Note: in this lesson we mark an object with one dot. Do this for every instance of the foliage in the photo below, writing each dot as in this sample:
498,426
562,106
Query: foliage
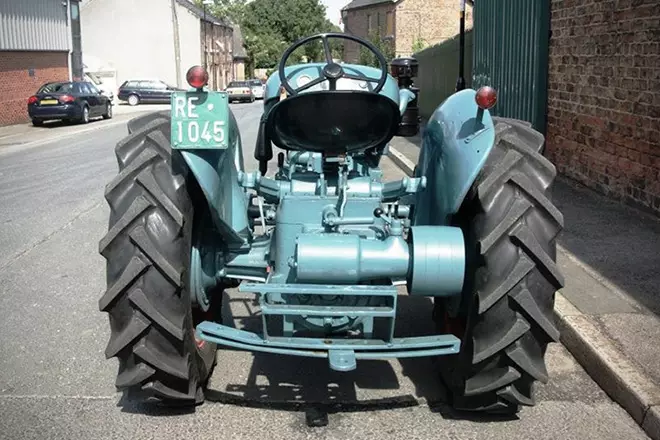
270,26
289,20
418,45
233,10
385,46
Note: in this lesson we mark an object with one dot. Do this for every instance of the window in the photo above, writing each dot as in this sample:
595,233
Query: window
65,87
84,89
389,23
369,23
93,88
379,24
238,84
159,85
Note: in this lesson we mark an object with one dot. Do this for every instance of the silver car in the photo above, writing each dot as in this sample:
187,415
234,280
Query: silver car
258,88
240,91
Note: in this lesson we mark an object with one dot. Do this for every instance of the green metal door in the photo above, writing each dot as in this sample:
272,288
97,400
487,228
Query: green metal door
511,40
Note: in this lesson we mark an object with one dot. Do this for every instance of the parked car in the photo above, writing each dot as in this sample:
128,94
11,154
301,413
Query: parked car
258,88
69,101
90,77
137,91
240,91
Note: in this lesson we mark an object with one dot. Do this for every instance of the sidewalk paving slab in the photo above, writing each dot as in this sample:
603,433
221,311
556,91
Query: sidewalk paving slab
608,310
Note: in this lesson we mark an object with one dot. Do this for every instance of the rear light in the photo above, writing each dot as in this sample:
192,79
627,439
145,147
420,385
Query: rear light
486,97
197,77
32,100
67,98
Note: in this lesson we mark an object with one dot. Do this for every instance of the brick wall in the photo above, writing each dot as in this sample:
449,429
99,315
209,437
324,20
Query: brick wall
16,85
604,96
357,23
432,20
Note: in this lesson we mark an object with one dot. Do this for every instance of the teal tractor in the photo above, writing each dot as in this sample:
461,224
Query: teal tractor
324,243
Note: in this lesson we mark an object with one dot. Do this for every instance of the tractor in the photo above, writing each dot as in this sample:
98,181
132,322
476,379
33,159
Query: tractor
324,243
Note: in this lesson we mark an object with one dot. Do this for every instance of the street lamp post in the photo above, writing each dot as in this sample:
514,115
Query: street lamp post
460,83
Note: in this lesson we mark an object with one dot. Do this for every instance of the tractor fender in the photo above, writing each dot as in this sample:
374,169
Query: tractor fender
216,172
456,142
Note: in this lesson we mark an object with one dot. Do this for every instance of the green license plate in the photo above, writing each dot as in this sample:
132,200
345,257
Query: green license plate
200,120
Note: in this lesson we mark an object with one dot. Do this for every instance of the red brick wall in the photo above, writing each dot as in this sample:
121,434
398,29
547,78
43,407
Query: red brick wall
16,85
604,96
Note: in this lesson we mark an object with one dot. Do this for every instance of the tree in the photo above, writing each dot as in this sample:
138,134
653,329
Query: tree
385,46
418,45
232,10
276,24
270,26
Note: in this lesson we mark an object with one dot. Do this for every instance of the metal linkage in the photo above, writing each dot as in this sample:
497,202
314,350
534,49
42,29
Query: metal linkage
342,354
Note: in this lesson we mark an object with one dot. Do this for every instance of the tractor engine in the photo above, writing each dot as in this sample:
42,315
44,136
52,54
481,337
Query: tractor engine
336,243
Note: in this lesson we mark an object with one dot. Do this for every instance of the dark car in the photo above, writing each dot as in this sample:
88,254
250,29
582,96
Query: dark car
69,101
136,91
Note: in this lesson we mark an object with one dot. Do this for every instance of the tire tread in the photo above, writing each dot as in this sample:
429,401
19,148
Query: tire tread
511,224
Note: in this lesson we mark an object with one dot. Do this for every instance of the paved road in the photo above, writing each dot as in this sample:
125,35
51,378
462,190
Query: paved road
56,384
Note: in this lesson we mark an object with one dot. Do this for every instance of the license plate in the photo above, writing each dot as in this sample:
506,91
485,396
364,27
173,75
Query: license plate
48,101
200,120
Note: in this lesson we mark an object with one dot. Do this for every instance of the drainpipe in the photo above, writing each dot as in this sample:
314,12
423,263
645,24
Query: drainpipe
70,38
177,45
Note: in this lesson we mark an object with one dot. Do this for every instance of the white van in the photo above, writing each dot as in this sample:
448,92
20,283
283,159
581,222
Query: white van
99,85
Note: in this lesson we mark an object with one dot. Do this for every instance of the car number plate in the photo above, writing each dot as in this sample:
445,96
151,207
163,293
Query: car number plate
48,101
200,120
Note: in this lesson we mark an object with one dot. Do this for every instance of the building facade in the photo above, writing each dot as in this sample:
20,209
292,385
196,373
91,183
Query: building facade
409,25
604,97
240,54
39,42
157,39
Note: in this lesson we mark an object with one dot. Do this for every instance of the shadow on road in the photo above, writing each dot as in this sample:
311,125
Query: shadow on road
618,242
61,123
300,384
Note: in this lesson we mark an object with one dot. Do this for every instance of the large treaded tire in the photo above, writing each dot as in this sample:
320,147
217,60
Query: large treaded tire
506,316
147,248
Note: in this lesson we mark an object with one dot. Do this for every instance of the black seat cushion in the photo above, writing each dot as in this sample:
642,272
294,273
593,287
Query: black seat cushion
333,122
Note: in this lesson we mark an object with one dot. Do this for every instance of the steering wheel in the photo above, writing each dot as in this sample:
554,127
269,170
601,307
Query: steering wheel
332,71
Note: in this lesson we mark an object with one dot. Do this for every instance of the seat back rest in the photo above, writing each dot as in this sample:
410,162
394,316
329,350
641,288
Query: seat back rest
333,122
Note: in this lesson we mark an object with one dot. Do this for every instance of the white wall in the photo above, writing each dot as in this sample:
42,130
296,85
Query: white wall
135,36
190,31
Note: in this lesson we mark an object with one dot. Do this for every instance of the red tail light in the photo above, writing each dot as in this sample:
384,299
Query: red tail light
66,98
197,77
486,97
32,99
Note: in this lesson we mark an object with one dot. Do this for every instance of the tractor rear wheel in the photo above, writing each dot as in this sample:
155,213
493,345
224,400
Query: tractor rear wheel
505,318
148,251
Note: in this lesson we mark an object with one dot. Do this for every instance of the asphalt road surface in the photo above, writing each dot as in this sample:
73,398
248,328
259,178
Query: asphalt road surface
55,382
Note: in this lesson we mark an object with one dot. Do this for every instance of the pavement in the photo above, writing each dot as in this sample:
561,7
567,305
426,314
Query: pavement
23,136
55,382
608,310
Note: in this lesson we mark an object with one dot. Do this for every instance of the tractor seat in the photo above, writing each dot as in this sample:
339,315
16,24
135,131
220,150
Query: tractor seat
333,122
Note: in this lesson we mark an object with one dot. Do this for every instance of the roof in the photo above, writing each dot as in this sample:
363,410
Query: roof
362,3
239,50
199,12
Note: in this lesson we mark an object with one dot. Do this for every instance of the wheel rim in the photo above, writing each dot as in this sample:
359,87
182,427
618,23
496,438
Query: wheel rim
85,114
132,100
109,109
